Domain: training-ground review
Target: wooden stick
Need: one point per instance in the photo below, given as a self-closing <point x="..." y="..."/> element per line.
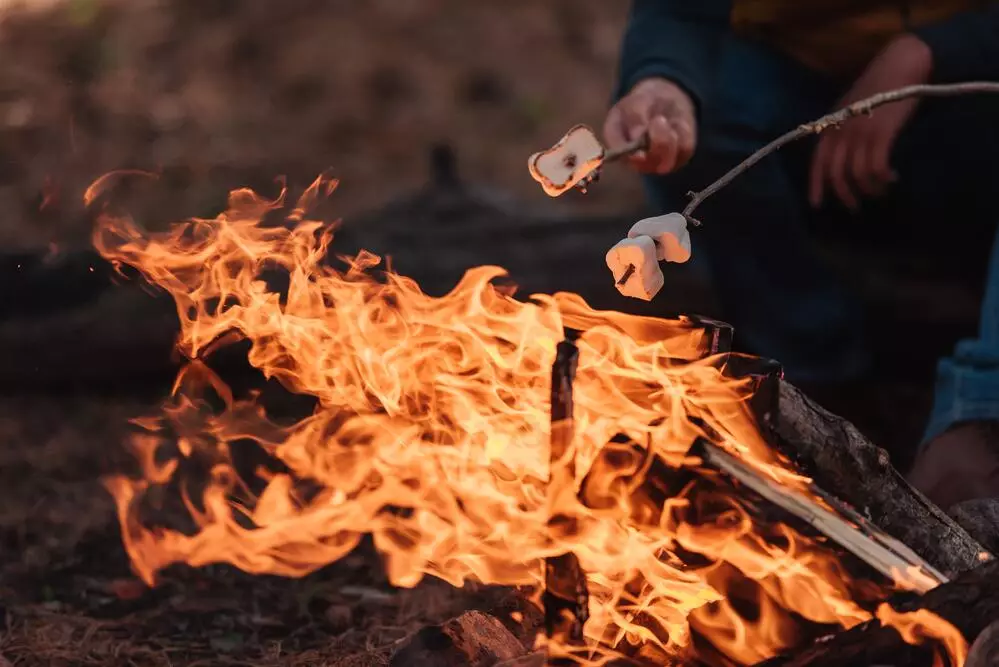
<point x="566" y="597"/>
<point x="834" y="119"/>
<point x="633" y="146"/>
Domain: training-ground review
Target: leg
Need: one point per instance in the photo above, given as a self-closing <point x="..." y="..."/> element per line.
<point x="960" y="457"/>
<point x="960" y="460"/>
<point x="783" y="302"/>
<point x="968" y="383"/>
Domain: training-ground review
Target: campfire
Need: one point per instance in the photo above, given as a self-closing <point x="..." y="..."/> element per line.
<point x="618" y="470"/>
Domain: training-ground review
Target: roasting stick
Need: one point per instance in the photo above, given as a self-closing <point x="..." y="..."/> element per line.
<point x="630" y="148"/>
<point x="557" y="169"/>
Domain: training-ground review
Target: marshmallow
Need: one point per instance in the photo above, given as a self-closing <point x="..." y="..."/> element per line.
<point x="573" y="160"/>
<point x="670" y="234"/>
<point x="646" y="278"/>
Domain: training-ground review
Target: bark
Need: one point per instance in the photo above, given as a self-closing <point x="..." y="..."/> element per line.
<point x="842" y="461"/>
<point x="981" y="519"/>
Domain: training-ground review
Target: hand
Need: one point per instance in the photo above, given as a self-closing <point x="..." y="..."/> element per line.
<point x="856" y="156"/>
<point x="666" y="112"/>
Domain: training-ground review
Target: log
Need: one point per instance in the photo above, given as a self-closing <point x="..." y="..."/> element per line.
<point x="984" y="652"/>
<point x="473" y="639"/>
<point x="838" y="457"/>
<point x="970" y="603"/>
<point x="861" y="538"/>
<point x="981" y="519"/>
<point x="566" y="598"/>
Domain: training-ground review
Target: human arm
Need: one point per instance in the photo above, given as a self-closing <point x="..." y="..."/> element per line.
<point x="856" y="159"/>
<point x="665" y="69"/>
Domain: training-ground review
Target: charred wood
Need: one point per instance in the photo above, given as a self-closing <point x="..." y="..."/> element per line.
<point x="970" y="602"/>
<point x="981" y="519"/>
<point x="839" y="458"/>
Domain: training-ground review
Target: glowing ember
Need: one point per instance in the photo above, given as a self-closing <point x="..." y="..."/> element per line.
<point x="431" y="433"/>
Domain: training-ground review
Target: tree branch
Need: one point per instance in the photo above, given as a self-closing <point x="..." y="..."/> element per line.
<point x="834" y="119"/>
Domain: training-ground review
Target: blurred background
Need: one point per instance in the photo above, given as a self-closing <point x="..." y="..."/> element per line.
<point x="219" y="93"/>
<point x="426" y="110"/>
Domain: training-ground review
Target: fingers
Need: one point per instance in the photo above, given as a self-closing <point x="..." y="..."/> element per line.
<point x="662" y="146"/>
<point x="817" y="174"/>
<point x="854" y="159"/>
<point x="836" y="174"/>
<point x="666" y="115"/>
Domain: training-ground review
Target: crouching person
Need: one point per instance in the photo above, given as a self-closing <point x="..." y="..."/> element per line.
<point x="713" y="81"/>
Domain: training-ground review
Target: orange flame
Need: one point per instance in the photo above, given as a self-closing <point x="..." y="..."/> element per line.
<point x="431" y="434"/>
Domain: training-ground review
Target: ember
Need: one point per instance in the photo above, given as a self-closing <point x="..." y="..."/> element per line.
<point x="432" y="433"/>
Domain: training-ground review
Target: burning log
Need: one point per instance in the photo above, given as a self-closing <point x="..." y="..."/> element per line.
<point x="565" y="598"/>
<point x="981" y="519"/>
<point x="970" y="603"/>
<point x="473" y="639"/>
<point x="883" y="553"/>
<point x="837" y="456"/>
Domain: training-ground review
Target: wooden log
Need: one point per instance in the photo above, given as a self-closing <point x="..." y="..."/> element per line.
<point x="839" y="458"/>
<point x="970" y="603"/>
<point x="861" y="538"/>
<point x="473" y="639"/>
<point x="981" y="519"/>
<point x="984" y="652"/>
<point x="566" y="597"/>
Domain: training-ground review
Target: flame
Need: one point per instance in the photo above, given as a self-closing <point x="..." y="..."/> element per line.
<point x="431" y="433"/>
<point x="919" y="626"/>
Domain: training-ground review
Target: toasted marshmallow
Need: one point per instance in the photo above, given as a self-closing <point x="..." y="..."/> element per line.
<point x="670" y="233"/>
<point x="571" y="161"/>
<point x="646" y="278"/>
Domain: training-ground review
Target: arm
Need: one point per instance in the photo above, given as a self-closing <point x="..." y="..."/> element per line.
<point x="965" y="47"/>
<point x="672" y="39"/>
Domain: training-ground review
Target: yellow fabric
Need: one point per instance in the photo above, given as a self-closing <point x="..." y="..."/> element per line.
<point x="837" y="36"/>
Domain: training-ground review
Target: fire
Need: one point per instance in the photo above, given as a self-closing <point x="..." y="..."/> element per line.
<point x="431" y="433"/>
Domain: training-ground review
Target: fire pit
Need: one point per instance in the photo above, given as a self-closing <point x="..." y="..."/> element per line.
<point x="644" y="485"/>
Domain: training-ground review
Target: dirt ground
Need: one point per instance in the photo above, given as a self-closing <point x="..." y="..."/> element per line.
<point x="215" y="94"/>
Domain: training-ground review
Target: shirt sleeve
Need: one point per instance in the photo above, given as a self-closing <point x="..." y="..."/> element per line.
<point x="672" y="39"/>
<point x="965" y="47"/>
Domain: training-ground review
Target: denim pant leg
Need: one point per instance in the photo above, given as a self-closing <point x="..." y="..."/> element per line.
<point x="772" y="287"/>
<point x="967" y="386"/>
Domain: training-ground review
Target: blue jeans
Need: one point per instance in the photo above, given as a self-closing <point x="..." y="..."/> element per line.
<point x="968" y="383"/>
<point x="771" y="284"/>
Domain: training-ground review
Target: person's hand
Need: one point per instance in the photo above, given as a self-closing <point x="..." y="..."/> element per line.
<point x="666" y="112"/>
<point x="855" y="157"/>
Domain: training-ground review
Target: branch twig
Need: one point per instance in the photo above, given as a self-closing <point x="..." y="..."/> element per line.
<point x="834" y="119"/>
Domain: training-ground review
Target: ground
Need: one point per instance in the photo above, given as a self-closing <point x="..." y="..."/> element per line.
<point x="213" y="94"/>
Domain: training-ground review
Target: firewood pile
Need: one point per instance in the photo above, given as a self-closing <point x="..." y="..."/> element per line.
<point x="834" y="453"/>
